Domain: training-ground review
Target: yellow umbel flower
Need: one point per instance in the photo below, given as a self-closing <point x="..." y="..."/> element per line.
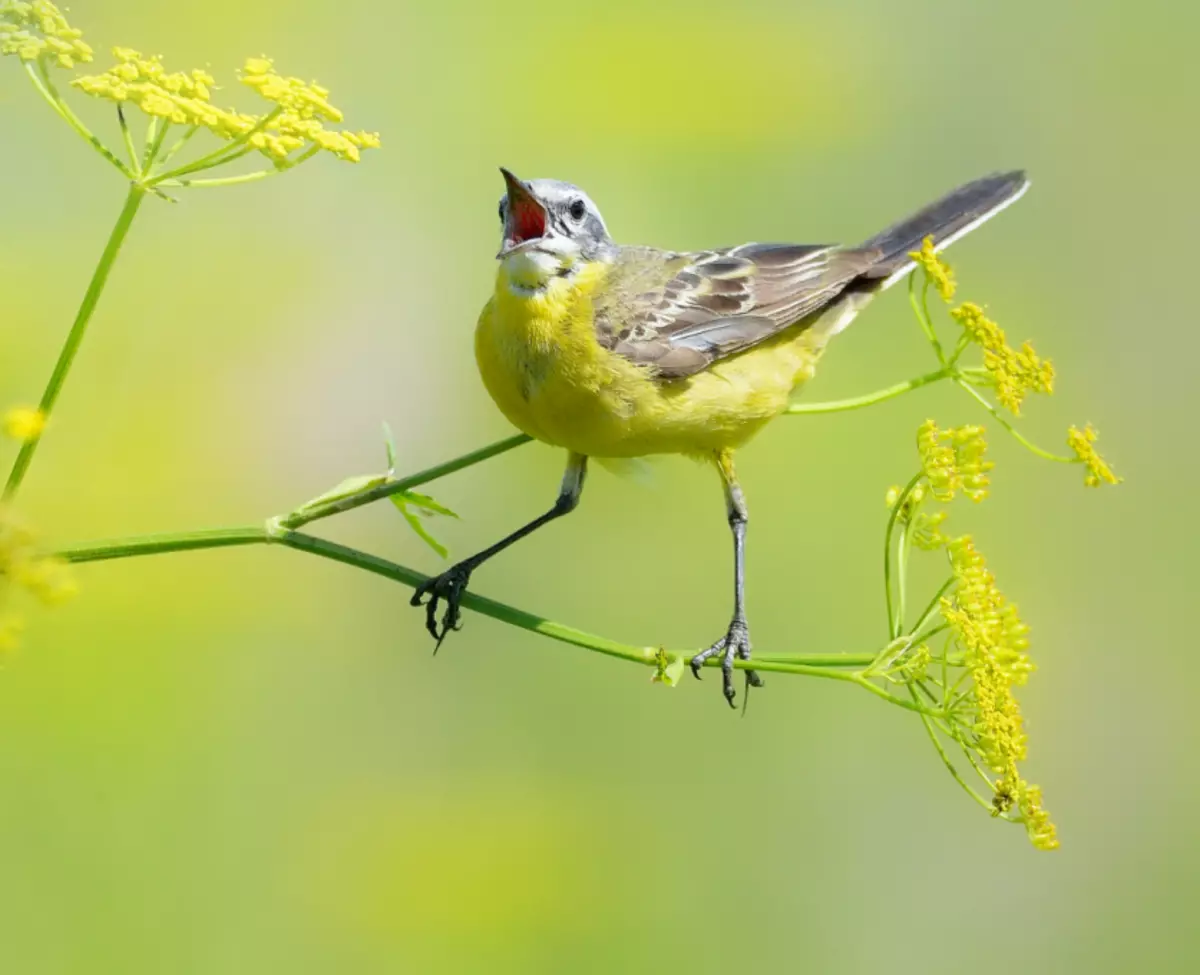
<point x="953" y="460"/>
<point x="37" y="30"/>
<point x="24" y="423"/>
<point x="994" y="641"/>
<point x="1015" y="372"/>
<point x="1081" y="441"/>
<point x="293" y="126"/>
<point x="21" y="567"/>
<point x="938" y="271"/>
<point x="304" y="106"/>
<point x="180" y="97"/>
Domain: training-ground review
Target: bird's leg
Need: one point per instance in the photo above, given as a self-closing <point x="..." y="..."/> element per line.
<point x="452" y="584"/>
<point x="735" y="645"/>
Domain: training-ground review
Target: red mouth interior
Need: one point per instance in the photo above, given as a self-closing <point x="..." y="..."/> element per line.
<point x="528" y="220"/>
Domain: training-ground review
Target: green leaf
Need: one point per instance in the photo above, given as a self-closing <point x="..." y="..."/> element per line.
<point x="389" y="443"/>
<point x="414" y="506"/>
<point x="668" y="668"/>
<point x="352" y="485"/>
<point x="426" y="503"/>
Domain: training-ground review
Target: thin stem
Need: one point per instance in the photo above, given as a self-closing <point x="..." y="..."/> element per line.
<point x="129" y="146"/>
<point x="41" y="80"/>
<point x="893" y="622"/>
<point x="934" y="605"/>
<point x="902" y="552"/>
<point x="869" y="399"/>
<point x="813" y="665"/>
<point x="921" y="310"/>
<point x="124" y="548"/>
<point x="387" y="489"/>
<point x="221" y="180"/>
<point x="1020" y="438"/>
<point x="231" y="150"/>
<point x="179" y="144"/>
<point x="946" y="758"/>
<point x="155" y="136"/>
<point x="75" y="337"/>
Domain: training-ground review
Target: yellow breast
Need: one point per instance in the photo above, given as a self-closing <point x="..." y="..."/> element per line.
<point x="539" y="358"/>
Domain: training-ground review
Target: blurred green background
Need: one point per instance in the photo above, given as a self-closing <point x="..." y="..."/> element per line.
<point x="248" y="761"/>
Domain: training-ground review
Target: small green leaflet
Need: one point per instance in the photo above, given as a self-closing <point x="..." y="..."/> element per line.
<point x="668" y="668"/>
<point x="416" y="506"/>
<point x="352" y="485"/>
<point x="389" y="444"/>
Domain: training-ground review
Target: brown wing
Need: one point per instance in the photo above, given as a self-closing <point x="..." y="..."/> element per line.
<point x="679" y="313"/>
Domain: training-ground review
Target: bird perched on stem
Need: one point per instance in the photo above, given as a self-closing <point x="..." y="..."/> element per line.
<point x="614" y="351"/>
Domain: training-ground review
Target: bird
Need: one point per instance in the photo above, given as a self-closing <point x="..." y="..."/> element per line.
<point x="615" y="351"/>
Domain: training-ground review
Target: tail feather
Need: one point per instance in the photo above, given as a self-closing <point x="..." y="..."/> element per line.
<point x="946" y="220"/>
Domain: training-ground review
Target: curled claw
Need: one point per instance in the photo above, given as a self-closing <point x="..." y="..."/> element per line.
<point x="449" y="586"/>
<point x="734" y="645"/>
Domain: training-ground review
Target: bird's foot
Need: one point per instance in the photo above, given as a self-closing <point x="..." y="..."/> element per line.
<point x="734" y="645"/>
<point x="450" y="586"/>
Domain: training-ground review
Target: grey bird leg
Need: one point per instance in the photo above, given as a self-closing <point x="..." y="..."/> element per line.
<point x="735" y="645"/>
<point x="451" y="585"/>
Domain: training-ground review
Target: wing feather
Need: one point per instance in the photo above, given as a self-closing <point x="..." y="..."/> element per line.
<point x="679" y="313"/>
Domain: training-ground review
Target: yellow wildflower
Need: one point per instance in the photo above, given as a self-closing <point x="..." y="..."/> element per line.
<point x="180" y="97"/>
<point x="953" y="461"/>
<point x="294" y="125"/>
<point x="994" y="641"/>
<point x="1081" y="441"/>
<point x="44" y="577"/>
<point x="1015" y="372"/>
<point x="24" y="423"/>
<point x="299" y="123"/>
<point x="37" y="29"/>
<point x="926" y="531"/>
<point x="936" y="270"/>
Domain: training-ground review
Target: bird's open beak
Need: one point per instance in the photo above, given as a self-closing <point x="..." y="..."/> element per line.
<point x="525" y="217"/>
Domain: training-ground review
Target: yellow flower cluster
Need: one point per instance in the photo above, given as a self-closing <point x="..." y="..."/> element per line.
<point x="994" y="642"/>
<point x="44" y="577"/>
<point x="36" y="29"/>
<point x="1016" y="373"/>
<point x="180" y="97"/>
<point x="298" y="124"/>
<point x="936" y="270"/>
<point x="1082" y="442"/>
<point x="185" y="98"/>
<point x="24" y="423"/>
<point x="953" y="461"/>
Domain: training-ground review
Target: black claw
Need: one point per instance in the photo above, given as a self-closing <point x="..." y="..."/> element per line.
<point x="735" y="645"/>
<point x="450" y="587"/>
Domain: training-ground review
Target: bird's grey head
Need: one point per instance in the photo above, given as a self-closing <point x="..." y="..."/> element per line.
<point x="551" y="217"/>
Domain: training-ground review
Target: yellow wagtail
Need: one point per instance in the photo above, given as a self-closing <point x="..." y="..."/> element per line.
<point x="613" y="351"/>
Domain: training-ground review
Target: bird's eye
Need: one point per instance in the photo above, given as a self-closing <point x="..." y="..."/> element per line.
<point x="500" y="209"/>
<point x="577" y="210"/>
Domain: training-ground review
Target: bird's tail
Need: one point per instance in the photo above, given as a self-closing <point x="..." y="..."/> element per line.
<point x="951" y="217"/>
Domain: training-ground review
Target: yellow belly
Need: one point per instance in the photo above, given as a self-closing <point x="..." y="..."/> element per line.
<point x="541" y="363"/>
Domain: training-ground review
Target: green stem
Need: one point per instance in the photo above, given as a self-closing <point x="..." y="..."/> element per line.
<point x="222" y="180"/>
<point x="386" y="490"/>
<point x="868" y="399"/>
<point x="75" y="337"/>
<point x="925" y="720"/>
<point x="921" y="310"/>
<point x="124" y="548"/>
<point x="1020" y="438"/>
<point x="129" y="146"/>
<point x="179" y="144"/>
<point x="155" y="136"/>
<point x="41" y="80"/>
<point x="893" y="622"/>
<point x="228" y="152"/>
<point x="813" y="665"/>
